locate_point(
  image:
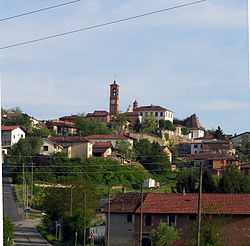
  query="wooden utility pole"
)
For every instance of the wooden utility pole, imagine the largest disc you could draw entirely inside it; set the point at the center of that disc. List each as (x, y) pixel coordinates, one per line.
(32, 181)
(71, 200)
(199, 207)
(84, 229)
(141, 217)
(108, 224)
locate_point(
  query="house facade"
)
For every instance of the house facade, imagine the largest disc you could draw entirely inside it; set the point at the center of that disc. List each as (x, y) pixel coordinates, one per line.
(11, 135)
(75, 146)
(99, 116)
(128, 210)
(49, 147)
(204, 145)
(213, 161)
(158, 112)
(62, 128)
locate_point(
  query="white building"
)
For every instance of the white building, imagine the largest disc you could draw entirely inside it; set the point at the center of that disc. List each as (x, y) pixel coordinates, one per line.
(11, 135)
(50, 147)
(158, 112)
(196, 132)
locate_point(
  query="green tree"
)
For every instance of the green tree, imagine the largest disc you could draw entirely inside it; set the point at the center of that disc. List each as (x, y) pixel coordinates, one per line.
(184, 131)
(119, 123)
(23, 152)
(86, 127)
(218, 134)
(208, 184)
(149, 125)
(40, 130)
(76, 223)
(170, 126)
(8, 231)
(151, 156)
(187, 179)
(164, 235)
(125, 149)
(212, 233)
(245, 147)
(233, 181)
(15, 110)
(22, 120)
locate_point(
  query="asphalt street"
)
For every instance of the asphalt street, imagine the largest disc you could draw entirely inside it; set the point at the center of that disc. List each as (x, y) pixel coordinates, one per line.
(25, 233)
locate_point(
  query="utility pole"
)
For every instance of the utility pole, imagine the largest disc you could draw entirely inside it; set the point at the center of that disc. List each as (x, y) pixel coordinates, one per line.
(23, 189)
(141, 216)
(84, 229)
(32, 181)
(108, 224)
(71, 200)
(199, 207)
(75, 238)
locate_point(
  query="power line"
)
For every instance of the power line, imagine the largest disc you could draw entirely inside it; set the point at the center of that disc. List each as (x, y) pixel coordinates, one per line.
(99, 25)
(38, 10)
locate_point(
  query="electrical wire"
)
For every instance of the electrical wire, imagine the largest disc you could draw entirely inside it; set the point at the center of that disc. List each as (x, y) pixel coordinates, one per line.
(99, 25)
(38, 10)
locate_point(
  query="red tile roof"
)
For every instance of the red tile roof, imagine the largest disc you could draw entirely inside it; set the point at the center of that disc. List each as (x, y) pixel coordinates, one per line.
(101, 147)
(209, 156)
(181, 204)
(124, 202)
(110, 137)
(10, 128)
(188, 204)
(98, 113)
(152, 108)
(13, 115)
(68, 139)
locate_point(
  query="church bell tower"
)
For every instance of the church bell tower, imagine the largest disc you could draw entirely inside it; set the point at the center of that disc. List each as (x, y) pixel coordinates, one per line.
(114, 99)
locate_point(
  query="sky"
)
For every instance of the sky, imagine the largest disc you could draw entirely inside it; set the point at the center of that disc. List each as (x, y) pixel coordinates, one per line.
(189, 60)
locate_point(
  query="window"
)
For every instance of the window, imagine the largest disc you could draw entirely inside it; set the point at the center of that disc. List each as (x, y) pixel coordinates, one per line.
(161, 113)
(45, 148)
(196, 146)
(141, 114)
(156, 114)
(192, 216)
(148, 220)
(14, 136)
(146, 113)
(172, 220)
(129, 218)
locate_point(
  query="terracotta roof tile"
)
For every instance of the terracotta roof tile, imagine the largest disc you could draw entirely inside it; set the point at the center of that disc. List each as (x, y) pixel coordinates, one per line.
(209, 156)
(188, 203)
(68, 139)
(124, 202)
(9, 128)
(110, 137)
(152, 108)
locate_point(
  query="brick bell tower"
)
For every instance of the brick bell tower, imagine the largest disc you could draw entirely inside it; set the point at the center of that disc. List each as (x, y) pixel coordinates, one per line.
(114, 99)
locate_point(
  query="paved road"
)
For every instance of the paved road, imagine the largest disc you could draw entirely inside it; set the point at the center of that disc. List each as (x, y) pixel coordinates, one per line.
(25, 233)
(9, 203)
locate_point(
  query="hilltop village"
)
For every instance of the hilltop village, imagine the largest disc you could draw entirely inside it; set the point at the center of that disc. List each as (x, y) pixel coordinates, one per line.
(114, 177)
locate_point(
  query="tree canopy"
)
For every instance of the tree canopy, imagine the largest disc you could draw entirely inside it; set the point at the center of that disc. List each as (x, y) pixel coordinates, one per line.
(151, 156)
(164, 235)
(86, 127)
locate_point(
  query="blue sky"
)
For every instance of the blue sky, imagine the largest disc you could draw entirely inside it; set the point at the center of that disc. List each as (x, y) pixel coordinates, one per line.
(189, 60)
